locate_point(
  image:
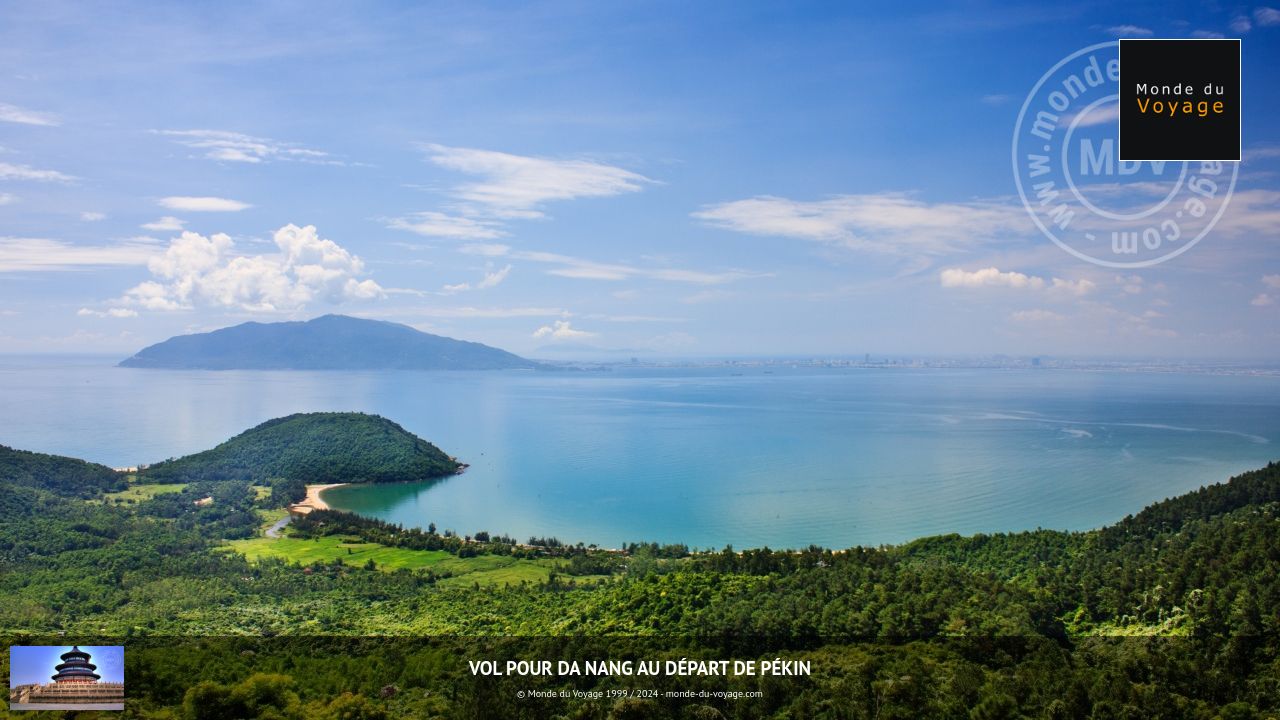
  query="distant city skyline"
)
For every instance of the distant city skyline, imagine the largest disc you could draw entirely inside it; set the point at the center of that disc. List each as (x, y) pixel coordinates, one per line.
(564, 179)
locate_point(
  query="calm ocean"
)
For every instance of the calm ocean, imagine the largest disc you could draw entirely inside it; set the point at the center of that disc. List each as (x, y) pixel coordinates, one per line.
(704, 456)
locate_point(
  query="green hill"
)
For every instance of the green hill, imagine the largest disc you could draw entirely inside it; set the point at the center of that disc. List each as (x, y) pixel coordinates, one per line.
(61, 475)
(328, 447)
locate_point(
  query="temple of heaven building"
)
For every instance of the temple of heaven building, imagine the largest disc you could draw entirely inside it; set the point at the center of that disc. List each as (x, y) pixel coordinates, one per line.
(76, 668)
(75, 686)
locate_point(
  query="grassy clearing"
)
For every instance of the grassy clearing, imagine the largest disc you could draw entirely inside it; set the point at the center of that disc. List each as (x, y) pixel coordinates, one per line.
(139, 493)
(484, 569)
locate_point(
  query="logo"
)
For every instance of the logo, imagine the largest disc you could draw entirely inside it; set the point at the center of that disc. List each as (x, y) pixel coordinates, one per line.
(1107, 211)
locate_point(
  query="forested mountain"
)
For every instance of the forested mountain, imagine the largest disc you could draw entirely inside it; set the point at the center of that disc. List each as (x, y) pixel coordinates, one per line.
(330, 342)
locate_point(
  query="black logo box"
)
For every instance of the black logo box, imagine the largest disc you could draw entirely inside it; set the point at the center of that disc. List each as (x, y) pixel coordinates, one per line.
(1180, 65)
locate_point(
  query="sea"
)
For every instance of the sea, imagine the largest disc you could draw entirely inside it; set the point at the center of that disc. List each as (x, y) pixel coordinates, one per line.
(752, 456)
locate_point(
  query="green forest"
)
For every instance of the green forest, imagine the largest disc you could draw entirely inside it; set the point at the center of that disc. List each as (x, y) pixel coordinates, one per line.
(1170, 613)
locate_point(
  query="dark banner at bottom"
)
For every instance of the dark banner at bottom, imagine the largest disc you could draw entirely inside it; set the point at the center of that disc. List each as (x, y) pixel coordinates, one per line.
(377, 678)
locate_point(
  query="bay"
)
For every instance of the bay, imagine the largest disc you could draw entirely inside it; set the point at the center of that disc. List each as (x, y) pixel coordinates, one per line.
(704, 456)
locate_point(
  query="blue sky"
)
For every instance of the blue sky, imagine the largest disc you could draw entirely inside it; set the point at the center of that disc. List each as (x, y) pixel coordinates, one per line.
(562, 179)
(35, 663)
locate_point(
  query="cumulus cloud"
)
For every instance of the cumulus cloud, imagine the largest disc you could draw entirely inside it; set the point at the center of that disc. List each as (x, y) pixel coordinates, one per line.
(994, 277)
(879, 222)
(23, 172)
(1262, 300)
(92, 216)
(43, 255)
(168, 223)
(237, 147)
(15, 114)
(199, 270)
(1240, 24)
(561, 330)
(202, 204)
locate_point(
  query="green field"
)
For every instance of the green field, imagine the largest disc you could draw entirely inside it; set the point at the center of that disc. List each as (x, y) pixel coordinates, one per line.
(483, 569)
(140, 493)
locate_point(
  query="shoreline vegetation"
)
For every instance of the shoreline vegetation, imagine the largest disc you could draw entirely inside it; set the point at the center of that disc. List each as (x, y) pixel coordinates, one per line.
(1171, 612)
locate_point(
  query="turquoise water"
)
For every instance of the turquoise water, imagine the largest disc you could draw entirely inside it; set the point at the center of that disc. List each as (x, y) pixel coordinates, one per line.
(705, 456)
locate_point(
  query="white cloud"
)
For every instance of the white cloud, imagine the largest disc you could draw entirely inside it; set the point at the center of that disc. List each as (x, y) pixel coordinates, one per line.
(1131, 284)
(1262, 152)
(92, 216)
(994, 277)
(485, 249)
(1271, 281)
(1036, 317)
(437, 224)
(515, 186)
(237, 147)
(165, 224)
(1130, 31)
(6, 199)
(1240, 24)
(579, 268)
(491, 278)
(198, 270)
(880, 222)
(1262, 300)
(203, 204)
(15, 114)
(996, 99)
(1266, 16)
(1207, 35)
(42, 255)
(561, 330)
(24, 172)
(115, 312)
(1105, 114)
(1072, 287)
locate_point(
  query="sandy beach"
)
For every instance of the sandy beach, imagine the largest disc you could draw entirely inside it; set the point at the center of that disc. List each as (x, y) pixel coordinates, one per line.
(313, 501)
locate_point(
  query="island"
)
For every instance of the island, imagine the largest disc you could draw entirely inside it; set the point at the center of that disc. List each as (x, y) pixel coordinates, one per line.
(329, 342)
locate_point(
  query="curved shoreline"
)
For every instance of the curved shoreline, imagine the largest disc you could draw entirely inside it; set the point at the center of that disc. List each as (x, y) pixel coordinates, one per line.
(313, 500)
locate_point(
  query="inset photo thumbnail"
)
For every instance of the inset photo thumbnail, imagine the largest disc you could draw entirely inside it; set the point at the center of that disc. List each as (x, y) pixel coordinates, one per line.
(61, 677)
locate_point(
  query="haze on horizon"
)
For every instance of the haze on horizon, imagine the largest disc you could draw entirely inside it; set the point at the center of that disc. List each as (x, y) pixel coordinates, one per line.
(667, 179)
